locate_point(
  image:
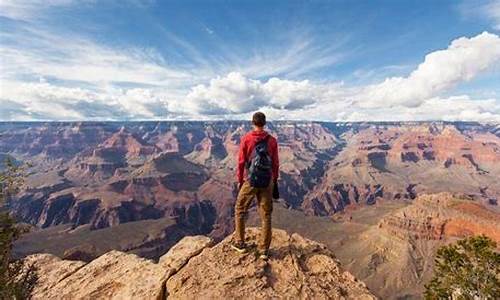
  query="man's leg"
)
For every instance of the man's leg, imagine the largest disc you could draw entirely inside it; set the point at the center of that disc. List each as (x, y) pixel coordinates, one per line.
(265, 202)
(243, 202)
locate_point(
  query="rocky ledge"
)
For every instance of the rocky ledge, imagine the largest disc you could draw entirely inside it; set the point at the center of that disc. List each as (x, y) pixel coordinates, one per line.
(195, 269)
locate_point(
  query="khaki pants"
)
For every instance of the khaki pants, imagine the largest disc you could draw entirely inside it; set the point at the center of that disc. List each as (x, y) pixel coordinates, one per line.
(265, 207)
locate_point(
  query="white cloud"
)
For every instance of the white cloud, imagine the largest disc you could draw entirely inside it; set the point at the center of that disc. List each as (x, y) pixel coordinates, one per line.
(484, 9)
(294, 58)
(46, 76)
(32, 101)
(35, 53)
(236, 94)
(416, 97)
(463, 60)
(231, 94)
(493, 12)
(89, 80)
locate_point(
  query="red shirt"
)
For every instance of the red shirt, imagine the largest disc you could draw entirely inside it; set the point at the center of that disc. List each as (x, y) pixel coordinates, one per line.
(247, 144)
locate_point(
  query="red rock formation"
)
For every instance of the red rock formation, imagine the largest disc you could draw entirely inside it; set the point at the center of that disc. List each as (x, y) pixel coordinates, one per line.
(442, 216)
(124, 141)
(448, 146)
(402, 161)
(167, 142)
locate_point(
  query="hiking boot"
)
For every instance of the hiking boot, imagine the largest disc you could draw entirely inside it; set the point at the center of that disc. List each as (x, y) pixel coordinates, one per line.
(239, 246)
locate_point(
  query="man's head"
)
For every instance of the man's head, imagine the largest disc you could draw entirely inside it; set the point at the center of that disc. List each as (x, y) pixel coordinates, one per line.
(259, 119)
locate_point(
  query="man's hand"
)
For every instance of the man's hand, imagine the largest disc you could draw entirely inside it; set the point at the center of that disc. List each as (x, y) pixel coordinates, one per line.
(276, 192)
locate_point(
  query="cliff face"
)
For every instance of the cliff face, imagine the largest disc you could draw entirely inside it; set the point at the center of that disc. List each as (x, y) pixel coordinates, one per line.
(194, 269)
(400, 162)
(441, 216)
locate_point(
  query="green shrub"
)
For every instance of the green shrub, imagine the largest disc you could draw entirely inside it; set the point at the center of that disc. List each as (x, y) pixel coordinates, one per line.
(469, 269)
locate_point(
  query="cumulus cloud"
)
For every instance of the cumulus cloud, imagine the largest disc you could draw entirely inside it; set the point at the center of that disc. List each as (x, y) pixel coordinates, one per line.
(235, 93)
(413, 97)
(45, 101)
(463, 60)
(44, 76)
(231, 94)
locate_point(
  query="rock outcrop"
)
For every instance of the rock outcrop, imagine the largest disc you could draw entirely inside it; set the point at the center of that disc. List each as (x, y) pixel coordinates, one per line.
(192, 269)
(298, 269)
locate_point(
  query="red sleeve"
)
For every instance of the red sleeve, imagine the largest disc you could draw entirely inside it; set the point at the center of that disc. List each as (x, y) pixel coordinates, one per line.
(242, 154)
(275, 158)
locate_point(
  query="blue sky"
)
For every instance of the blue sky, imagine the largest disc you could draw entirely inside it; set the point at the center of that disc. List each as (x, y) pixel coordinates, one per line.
(318, 60)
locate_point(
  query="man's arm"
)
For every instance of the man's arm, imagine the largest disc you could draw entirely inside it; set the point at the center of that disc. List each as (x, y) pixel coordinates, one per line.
(275, 159)
(241, 161)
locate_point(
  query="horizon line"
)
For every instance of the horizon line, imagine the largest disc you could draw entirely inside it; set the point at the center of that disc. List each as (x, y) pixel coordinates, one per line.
(249, 121)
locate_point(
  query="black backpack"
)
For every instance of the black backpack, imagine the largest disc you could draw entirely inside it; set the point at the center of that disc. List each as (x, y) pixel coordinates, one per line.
(260, 165)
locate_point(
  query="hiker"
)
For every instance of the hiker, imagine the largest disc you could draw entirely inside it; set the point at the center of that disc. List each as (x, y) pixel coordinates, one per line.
(257, 173)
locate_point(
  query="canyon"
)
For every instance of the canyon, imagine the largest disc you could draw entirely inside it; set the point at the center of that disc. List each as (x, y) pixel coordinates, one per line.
(382, 196)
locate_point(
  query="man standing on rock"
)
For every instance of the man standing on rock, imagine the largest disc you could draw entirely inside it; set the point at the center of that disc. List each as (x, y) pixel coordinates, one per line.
(257, 172)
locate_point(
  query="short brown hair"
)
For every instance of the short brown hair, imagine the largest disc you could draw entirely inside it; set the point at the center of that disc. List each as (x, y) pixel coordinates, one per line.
(259, 119)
